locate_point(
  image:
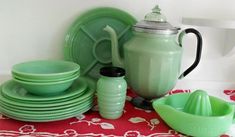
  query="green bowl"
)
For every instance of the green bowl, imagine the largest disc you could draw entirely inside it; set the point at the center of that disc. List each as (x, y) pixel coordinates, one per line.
(172, 110)
(16, 76)
(45, 69)
(48, 88)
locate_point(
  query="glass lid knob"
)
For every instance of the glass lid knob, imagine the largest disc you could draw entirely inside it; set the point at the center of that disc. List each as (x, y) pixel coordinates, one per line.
(155, 15)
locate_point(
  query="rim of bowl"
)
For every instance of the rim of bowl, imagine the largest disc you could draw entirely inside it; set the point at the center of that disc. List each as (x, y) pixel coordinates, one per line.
(45, 80)
(46, 83)
(230, 108)
(76, 67)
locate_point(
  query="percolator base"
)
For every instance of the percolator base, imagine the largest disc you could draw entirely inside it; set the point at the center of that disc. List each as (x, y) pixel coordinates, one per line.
(142, 103)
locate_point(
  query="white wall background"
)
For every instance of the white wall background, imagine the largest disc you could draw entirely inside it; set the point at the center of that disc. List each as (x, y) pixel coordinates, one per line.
(35, 29)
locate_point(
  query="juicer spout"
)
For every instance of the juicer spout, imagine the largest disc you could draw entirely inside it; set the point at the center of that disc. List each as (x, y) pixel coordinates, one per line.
(116, 59)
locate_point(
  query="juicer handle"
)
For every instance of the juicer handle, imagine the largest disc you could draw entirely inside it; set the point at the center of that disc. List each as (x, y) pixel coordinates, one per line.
(234, 118)
(199, 49)
(234, 114)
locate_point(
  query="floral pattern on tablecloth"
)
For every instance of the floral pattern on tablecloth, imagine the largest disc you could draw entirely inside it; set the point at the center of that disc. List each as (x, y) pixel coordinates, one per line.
(134, 122)
(231, 94)
(29, 130)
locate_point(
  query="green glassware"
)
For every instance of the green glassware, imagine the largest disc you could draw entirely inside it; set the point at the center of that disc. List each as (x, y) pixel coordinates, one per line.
(45, 69)
(198, 104)
(152, 57)
(111, 92)
(88, 45)
(46, 89)
(13, 91)
(196, 114)
(43, 112)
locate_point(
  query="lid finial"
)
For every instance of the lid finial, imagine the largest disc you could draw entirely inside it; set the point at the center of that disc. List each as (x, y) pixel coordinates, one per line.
(155, 15)
(155, 22)
(156, 9)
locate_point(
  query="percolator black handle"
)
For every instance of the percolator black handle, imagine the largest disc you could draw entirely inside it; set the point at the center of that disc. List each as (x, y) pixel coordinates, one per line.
(198, 52)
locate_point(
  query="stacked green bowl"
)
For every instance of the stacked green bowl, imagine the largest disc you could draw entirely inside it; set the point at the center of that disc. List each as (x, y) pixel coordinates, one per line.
(45, 77)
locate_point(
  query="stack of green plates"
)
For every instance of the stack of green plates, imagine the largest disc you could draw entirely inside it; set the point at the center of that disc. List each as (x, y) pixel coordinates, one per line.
(17, 103)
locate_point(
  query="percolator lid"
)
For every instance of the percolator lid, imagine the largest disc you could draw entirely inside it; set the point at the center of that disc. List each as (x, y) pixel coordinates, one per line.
(155, 22)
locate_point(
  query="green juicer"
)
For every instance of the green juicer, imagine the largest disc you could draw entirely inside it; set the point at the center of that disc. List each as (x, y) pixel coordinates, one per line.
(196, 114)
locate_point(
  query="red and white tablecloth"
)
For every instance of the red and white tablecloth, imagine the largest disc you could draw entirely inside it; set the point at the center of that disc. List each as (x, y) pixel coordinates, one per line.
(134, 122)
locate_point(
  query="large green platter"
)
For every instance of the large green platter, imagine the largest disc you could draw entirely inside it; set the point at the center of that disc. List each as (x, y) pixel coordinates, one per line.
(87, 44)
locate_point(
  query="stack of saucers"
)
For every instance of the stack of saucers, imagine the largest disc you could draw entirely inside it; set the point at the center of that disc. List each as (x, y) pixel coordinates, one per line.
(19, 102)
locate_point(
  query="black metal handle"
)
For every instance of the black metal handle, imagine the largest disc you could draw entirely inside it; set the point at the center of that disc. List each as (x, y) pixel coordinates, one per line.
(198, 52)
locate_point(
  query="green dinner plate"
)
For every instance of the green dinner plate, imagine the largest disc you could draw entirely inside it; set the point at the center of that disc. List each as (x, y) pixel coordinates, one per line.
(45, 109)
(59, 105)
(42, 114)
(47, 102)
(48, 119)
(62, 103)
(45, 114)
(88, 45)
(15, 91)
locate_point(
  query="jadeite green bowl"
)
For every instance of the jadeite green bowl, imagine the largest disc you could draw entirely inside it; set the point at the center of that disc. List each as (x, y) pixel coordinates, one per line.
(48, 88)
(45, 69)
(18, 77)
(172, 110)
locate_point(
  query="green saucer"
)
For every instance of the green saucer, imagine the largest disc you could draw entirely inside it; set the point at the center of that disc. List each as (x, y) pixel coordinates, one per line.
(15, 91)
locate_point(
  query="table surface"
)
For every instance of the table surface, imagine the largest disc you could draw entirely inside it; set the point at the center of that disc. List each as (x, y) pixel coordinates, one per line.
(134, 122)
